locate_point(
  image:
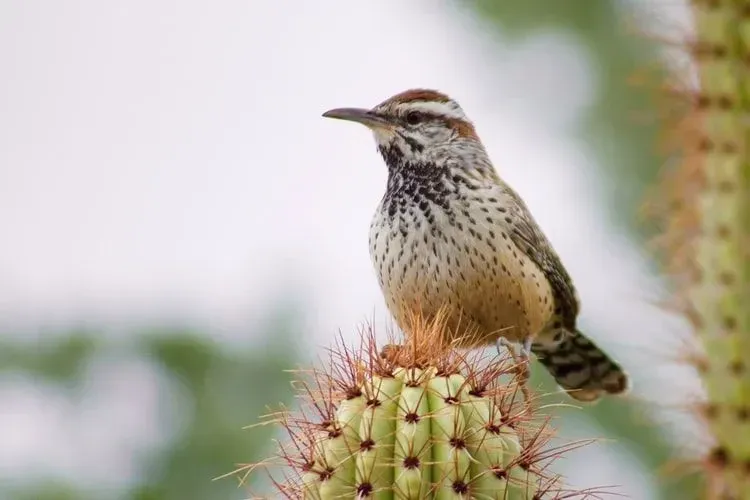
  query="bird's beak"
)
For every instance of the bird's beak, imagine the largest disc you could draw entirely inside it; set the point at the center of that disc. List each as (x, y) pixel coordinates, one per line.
(360, 115)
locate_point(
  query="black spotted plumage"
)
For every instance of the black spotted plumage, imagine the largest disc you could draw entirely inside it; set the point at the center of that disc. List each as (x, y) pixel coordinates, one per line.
(417, 185)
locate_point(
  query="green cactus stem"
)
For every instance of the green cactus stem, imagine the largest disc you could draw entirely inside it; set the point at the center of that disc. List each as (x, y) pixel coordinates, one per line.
(418, 421)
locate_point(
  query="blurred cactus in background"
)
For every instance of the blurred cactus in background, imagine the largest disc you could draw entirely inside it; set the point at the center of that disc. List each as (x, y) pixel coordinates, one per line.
(704, 207)
(422, 421)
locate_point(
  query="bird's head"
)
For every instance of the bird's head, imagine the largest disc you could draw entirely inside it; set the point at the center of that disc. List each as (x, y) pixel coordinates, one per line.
(416, 125)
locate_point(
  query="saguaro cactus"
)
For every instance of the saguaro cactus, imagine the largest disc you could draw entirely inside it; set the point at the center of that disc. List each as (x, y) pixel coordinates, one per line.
(707, 231)
(417, 421)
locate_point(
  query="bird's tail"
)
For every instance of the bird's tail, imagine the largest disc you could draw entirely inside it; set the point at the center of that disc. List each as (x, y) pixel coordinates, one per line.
(580, 367)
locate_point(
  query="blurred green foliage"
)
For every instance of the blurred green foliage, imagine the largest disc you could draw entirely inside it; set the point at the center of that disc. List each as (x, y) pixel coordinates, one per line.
(620, 128)
(58, 359)
(226, 388)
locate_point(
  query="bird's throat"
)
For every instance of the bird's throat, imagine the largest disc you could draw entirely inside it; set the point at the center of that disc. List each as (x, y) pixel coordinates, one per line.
(413, 182)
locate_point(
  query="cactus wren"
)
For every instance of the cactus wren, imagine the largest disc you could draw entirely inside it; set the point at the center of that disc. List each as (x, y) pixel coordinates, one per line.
(450, 233)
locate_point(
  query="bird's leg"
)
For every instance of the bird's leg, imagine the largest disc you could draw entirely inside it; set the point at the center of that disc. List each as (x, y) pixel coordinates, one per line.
(521, 365)
(526, 354)
(521, 359)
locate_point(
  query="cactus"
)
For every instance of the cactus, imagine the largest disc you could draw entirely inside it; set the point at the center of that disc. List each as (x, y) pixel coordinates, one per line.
(707, 232)
(418, 421)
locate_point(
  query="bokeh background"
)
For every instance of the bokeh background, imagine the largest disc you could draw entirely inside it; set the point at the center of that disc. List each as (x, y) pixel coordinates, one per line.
(180, 226)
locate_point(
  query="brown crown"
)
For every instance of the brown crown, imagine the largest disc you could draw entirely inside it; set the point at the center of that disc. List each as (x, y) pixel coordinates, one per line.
(412, 95)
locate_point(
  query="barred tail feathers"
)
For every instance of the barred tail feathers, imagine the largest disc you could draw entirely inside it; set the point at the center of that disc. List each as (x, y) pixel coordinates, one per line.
(581, 368)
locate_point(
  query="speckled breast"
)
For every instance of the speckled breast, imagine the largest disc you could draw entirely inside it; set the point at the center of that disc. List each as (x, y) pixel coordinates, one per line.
(463, 259)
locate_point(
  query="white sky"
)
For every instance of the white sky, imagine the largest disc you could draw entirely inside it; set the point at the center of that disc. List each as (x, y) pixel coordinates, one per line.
(170, 157)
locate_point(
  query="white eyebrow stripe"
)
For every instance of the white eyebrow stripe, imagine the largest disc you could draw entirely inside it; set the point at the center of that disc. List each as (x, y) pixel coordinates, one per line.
(448, 109)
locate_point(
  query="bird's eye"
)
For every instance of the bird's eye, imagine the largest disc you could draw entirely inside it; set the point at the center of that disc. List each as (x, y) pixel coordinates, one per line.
(413, 117)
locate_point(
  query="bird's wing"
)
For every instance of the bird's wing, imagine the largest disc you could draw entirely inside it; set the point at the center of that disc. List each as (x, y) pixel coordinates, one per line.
(527, 236)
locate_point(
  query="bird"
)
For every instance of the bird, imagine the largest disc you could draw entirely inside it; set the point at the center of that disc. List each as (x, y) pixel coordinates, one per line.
(449, 234)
